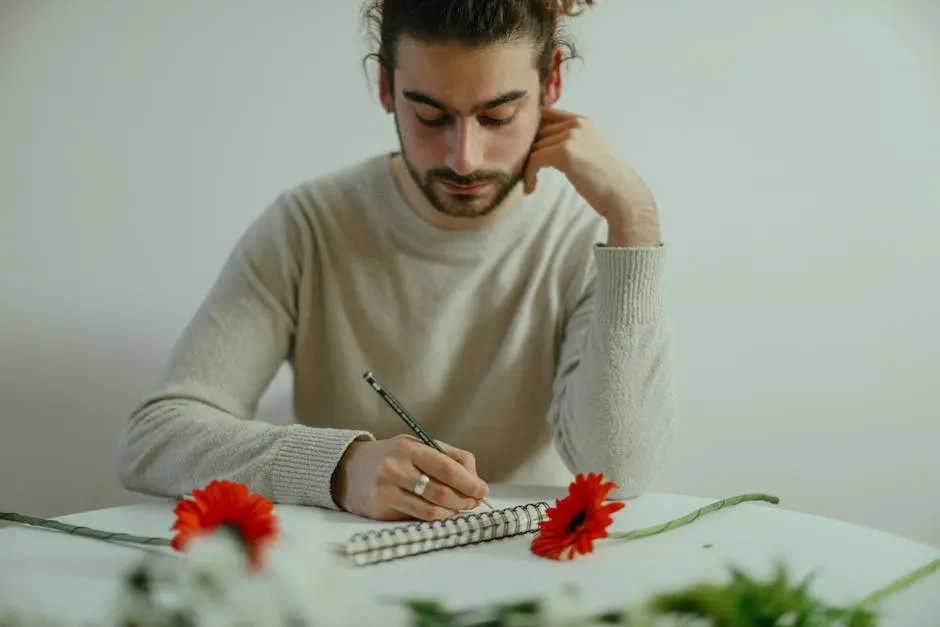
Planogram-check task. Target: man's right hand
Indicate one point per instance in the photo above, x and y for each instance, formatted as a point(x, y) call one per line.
point(375, 479)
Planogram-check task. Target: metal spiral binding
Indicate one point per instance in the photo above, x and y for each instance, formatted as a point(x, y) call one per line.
point(384, 545)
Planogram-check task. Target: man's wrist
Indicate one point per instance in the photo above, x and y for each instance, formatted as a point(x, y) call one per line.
point(632, 219)
point(339, 482)
point(626, 231)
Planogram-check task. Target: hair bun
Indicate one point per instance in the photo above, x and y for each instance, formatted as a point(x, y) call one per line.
point(569, 8)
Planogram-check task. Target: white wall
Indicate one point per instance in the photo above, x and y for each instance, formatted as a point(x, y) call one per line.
point(793, 149)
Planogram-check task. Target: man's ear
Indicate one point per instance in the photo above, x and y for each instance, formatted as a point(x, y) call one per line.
point(553, 81)
point(385, 90)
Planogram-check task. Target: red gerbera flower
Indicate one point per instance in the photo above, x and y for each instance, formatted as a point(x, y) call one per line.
point(227, 505)
point(576, 520)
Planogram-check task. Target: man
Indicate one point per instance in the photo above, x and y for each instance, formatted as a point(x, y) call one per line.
point(501, 274)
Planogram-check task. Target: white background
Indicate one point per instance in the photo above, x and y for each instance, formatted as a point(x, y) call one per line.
point(792, 147)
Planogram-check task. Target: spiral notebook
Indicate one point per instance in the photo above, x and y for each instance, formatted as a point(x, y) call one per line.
point(396, 542)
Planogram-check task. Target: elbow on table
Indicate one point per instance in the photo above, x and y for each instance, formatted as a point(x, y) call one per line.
point(129, 468)
point(130, 474)
point(136, 451)
point(641, 456)
point(632, 479)
point(633, 467)
point(633, 476)
point(631, 486)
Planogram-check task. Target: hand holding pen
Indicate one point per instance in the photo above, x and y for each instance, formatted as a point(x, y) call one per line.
point(408, 476)
point(423, 435)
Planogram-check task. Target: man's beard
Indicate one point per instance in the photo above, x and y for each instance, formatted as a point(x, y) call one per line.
point(455, 205)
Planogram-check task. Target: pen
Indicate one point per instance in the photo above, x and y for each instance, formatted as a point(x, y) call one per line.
point(413, 424)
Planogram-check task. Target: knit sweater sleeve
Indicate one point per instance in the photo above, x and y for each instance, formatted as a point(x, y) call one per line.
point(198, 424)
point(613, 408)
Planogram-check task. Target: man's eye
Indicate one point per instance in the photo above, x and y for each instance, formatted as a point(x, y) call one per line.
point(490, 121)
point(485, 120)
point(439, 121)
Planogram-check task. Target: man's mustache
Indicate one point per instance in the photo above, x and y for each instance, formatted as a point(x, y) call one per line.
point(464, 179)
point(449, 176)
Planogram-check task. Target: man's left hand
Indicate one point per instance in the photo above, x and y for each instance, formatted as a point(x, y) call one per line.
point(573, 144)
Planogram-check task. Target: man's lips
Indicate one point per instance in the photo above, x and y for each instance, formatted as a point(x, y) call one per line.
point(475, 188)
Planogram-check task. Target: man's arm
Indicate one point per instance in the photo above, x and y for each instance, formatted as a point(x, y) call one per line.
point(614, 401)
point(197, 425)
point(613, 409)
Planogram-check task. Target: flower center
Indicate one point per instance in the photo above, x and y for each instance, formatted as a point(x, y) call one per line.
point(576, 521)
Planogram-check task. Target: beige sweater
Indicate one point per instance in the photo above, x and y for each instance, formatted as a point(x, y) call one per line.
point(501, 341)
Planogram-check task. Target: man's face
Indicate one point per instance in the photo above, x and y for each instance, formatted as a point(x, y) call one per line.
point(466, 120)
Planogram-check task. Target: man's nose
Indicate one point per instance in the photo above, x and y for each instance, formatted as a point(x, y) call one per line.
point(465, 152)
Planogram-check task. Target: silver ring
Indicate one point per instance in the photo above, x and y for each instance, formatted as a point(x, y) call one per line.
point(421, 484)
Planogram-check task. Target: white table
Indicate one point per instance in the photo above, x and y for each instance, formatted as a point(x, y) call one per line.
point(76, 578)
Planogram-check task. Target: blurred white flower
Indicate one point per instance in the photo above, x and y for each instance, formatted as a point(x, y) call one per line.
point(136, 603)
point(32, 618)
point(564, 608)
point(299, 585)
point(211, 565)
point(641, 616)
point(251, 602)
point(136, 608)
point(313, 588)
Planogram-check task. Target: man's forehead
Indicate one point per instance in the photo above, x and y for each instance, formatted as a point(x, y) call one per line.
point(464, 76)
point(447, 58)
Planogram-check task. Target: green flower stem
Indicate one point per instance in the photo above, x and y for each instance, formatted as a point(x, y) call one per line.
point(692, 517)
point(152, 541)
point(898, 584)
point(82, 531)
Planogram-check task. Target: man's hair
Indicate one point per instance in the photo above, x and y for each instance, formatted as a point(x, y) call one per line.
point(472, 23)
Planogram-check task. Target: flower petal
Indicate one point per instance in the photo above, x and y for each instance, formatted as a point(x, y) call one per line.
point(224, 502)
point(576, 520)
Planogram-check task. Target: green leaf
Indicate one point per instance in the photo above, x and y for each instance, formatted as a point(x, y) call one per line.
point(612, 618)
point(744, 601)
point(428, 613)
point(525, 608)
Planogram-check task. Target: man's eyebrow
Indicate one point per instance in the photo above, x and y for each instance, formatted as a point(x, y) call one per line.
point(423, 98)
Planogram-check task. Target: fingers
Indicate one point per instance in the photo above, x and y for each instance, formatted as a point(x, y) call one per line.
point(552, 114)
point(453, 485)
point(549, 129)
point(441, 495)
point(421, 508)
point(382, 475)
point(448, 472)
point(462, 457)
point(550, 155)
point(549, 149)
point(550, 140)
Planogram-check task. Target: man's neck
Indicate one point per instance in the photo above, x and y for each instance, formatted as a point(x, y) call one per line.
point(416, 199)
